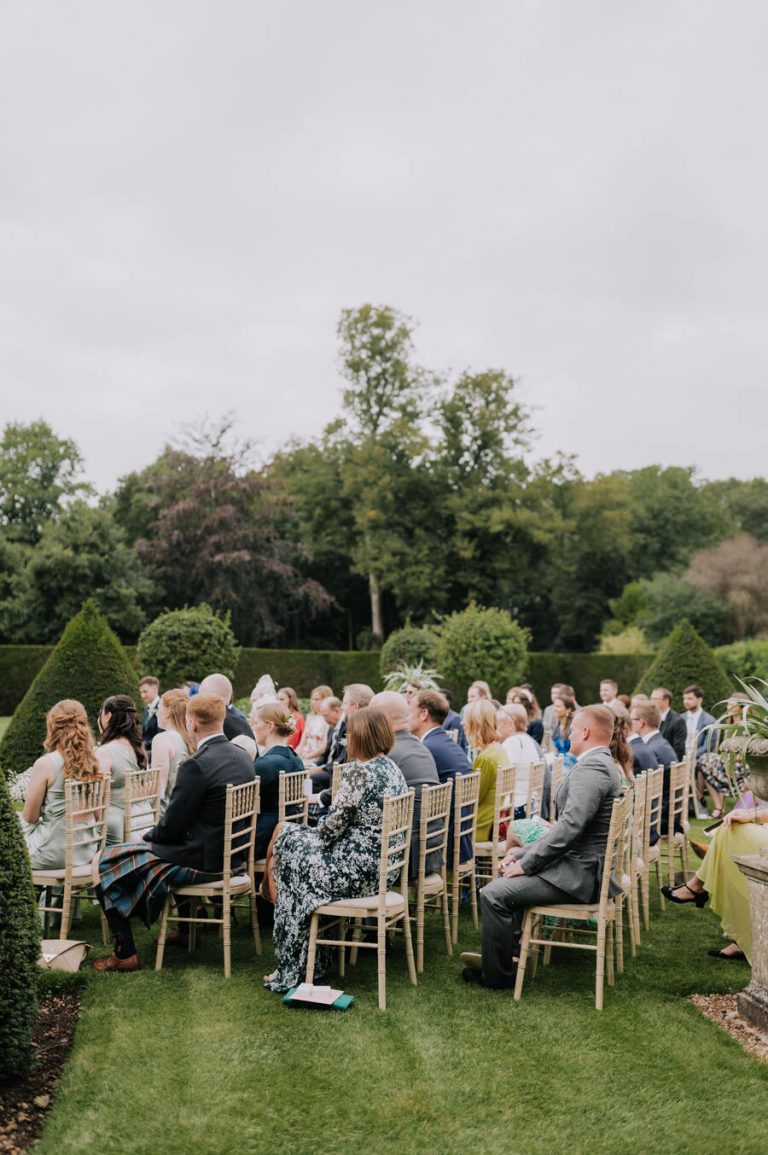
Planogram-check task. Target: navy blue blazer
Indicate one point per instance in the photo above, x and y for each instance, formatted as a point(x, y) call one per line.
point(453, 722)
point(643, 757)
point(665, 755)
point(449, 757)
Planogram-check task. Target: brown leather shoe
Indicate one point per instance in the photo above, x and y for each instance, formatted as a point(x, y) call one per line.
point(113, 963)
point(177, 937)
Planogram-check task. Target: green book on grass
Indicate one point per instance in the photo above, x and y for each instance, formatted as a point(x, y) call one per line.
point(318, 998)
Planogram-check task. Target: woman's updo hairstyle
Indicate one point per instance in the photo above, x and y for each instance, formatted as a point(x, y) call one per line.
point(123, 722)
point(68, 733)
point(275, 714)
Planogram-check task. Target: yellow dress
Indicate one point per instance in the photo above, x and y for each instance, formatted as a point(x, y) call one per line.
point(727, 886)
point(488, 762)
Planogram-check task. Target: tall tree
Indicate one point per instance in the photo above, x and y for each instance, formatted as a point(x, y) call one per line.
point(744, 503)
point(38, 471)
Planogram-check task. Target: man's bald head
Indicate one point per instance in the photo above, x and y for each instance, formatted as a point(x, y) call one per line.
point(394, 706)
point(219, 686)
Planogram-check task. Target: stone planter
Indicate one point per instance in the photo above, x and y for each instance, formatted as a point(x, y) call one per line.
point(753, 1001)
point(758, 775)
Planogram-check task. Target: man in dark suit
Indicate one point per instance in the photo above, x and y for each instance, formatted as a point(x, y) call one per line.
point(149, 688)
point(563, 866)
point(426, 713)
point(321, 769)
point(234, 722)
point(190, 835)
point(453, 721)
point(643, 757)
point(645, 723)
point(671, 725)
point(417, 764)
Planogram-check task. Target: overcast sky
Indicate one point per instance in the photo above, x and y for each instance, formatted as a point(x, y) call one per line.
point(573, 191)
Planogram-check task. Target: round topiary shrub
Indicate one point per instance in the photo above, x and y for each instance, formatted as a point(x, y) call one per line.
point(410, 646)
point(747, 659)
point(686, 660)
point(19, 945)
point(482, 644)
point(188, 643)
point(87, 664)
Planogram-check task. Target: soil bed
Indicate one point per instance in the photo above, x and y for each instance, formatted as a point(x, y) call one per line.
point(721, 1009)
point(25, 1104)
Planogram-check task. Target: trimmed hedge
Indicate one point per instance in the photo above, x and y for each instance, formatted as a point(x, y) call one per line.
point(19, 945)
point(683, 660)
point(19, 665)
point(305, 669)
point(88, 664)
point(584, 672)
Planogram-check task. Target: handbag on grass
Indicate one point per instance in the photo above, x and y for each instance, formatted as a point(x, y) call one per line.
point(62, 954)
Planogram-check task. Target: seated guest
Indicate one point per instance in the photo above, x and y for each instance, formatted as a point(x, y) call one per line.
point(525, 697)
point(564, 865)
point(321, 770)
point(622, 755)
point(315, 733)
point(186, 846)
point(426, 713)
point(173, 743)
point(289, 700)
point(120, 742)
point(563, 710)
point(149, 689)
point(671, 725)
point(521, 750)
point(70, 754)
point(643, 757)
point(235, 722)
point(477, 691)
point(480, 725)
point(273, 726)
point(644, 717)
point(339, 858)
point(558, 690)
point(417, 765)
point(453, 722)
point(720, 880)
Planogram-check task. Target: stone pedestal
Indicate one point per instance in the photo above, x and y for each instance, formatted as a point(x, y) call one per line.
point(753, 1001)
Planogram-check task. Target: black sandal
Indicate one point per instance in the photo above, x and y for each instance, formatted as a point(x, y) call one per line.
point(738, 955)
point(700, 897)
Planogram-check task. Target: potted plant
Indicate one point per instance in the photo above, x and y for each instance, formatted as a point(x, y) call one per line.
point(744, 747)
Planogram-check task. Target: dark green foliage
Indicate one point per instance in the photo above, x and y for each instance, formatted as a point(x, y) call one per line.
point(482, 643)
point(747, 659)
point(18, 666)
point(188, 643)
point(88, 664)
point(584, 672)
point(19, 945)
point(408, 647)
point(685, 660)
point(304, 669)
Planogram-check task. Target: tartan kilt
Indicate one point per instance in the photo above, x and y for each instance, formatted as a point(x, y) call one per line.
point(134, 881)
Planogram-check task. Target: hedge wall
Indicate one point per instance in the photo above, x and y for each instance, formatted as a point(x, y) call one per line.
point(304, 669)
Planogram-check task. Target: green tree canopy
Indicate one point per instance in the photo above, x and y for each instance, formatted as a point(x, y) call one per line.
point(188, 643)
point(38, 471)
point(88, 664)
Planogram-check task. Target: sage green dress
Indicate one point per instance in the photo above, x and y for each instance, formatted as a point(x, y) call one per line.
point(180, 753)
point(124, 759)
point(46, 838)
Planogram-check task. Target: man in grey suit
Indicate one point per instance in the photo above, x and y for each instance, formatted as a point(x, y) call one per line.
point(563, 866)
point(417, 764)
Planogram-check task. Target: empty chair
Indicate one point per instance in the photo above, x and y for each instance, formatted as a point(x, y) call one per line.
point(489, 853)
point(466, 795)
point(432, 889)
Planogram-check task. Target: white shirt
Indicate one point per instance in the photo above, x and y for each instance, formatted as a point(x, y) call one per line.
point(207, 738)
point(650, 734)
point(522, 751)
point(692, 726)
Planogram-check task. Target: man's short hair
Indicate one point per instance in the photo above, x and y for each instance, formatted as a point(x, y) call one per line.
point(149, 680)
point(331, 702)
point(666, 694)
point(599, 717)
point(434, 703)
point(694, 690)
point(609, 682)
point(358, 693)
point(648, 712)
point(207, 709)
point(563, 688)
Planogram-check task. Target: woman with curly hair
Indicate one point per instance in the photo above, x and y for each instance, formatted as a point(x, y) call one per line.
point(70, 753)
point(122, 744)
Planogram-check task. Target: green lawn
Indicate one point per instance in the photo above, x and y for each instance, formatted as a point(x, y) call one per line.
point(183, 1061)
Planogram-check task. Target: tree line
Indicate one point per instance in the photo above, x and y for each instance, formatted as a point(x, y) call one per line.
point(422, 496)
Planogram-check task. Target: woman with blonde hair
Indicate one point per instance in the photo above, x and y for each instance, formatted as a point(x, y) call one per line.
point(315, 736)
point(273, 727)
point(173, 743)
point(480, 726)
point(70, 753)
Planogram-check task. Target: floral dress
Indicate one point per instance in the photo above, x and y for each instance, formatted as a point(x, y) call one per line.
point(339, 858)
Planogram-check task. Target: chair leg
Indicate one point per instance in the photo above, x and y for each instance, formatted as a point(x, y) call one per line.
point(163, 932)
point(473, 894)
point(409, 947)
point(312, 948)
point(342, 924)
point(66, 913)
point(636, 912)
point(446, 924)
point(455, 891)
point(226, 927)
point(46, 893)
point(659, 881)
point(608, 948)
point(524, 948)
point(619, 927)
point(381, 956)
point(420, 934)
point(255, 922)
point(357, 934)
point(600, 967)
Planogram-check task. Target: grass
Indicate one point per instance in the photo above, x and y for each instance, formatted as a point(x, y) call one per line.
point(4, 723)
point(184, 1061)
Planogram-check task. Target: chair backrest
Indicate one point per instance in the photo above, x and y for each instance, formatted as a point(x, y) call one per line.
point(466, 796)
point(141, 787)
point(654, 793)
point(240, 814)
point(338, 774)
point(292, 802)
point(434, 822)
point(396, 824)
point(613, 865)
point(639, 811)
point(536, 772)
point(555, 783)
point(86, 813)
point(504, 798)
point(679, 783)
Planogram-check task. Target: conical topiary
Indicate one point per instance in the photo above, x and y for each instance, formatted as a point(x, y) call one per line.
point(686, 660)
point(87, 664)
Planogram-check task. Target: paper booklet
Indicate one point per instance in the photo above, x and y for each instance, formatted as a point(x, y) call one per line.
point(308, 993)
